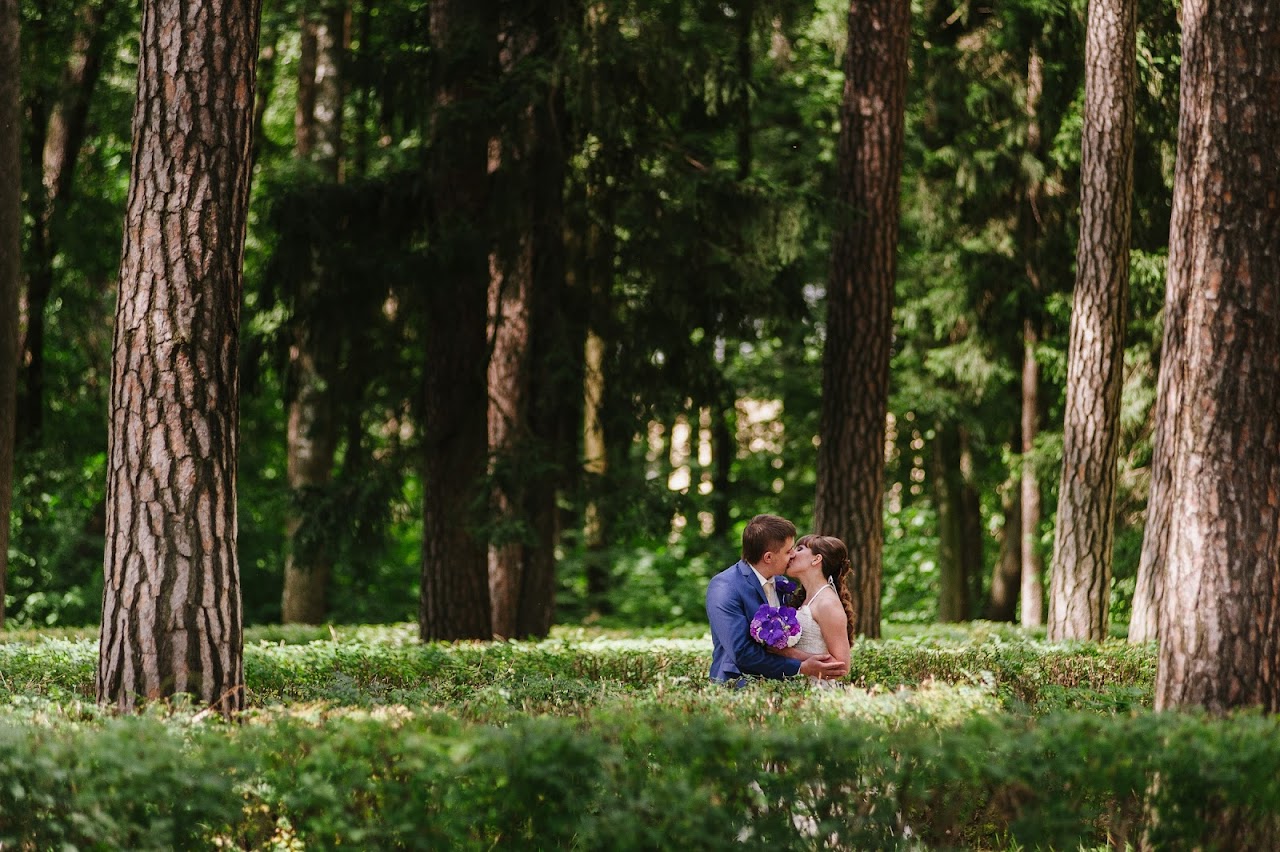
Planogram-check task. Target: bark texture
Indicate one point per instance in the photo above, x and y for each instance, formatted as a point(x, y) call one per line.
point(454, 592)
point(1220, 623)
point(1031, 589)
point(855, 378)
point(171, 614)
point(10, 264)
point(1080, 588)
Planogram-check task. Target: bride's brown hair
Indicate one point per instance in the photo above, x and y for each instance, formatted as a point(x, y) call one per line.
point(835, 563)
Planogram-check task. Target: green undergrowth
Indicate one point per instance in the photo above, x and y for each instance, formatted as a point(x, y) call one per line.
point(575, 668)
point(361, 737)
point(778, 768)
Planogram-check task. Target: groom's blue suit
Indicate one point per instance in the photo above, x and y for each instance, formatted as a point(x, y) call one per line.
point(733, 596)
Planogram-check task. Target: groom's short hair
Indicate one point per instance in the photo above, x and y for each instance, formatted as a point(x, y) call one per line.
point(764, 533)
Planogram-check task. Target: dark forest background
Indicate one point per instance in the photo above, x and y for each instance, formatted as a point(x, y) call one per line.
point(696, 149)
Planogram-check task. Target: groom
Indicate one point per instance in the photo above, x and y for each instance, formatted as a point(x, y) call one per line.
point(734, 595)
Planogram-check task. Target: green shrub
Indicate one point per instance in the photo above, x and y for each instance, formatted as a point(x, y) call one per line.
point(757, 770)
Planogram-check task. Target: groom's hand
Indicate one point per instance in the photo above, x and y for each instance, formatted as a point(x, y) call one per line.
point(824, 666)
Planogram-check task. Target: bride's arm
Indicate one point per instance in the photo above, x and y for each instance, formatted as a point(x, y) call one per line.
point(834, 624)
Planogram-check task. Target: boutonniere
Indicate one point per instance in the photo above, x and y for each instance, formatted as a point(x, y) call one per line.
point(785, 587)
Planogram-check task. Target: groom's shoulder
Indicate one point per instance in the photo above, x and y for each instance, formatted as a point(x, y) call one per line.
point(729, 573)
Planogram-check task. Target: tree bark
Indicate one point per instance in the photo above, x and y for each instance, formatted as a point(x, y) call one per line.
point(556, 350)
point(509, 391)
point(1148, 595)
point(10, 263)
point(1002, 602)
point(1080, 586)
point(596, 463)
point(959, 525)
point(1032, 567)
point(1032, 591)
point(454, 592)
point(1220, 623)
point(849, 502)
point(171, 613)
point(528, 394)
point(312, 430)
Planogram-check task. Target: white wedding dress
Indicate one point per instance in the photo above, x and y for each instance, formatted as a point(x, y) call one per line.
point(811, 640)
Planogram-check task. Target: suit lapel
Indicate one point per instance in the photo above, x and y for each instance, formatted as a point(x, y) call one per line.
point(748, 575)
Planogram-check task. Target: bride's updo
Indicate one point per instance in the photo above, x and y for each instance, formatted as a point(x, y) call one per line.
point(835, 564)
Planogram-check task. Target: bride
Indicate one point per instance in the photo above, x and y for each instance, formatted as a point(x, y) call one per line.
point(821, 564)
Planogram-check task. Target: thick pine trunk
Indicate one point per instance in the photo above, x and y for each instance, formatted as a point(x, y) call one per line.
point(1080, 587)
point(850, 491)
point(454, 592)
point(1220, 622)
point(171, 613)
point(10, 264)
point(312, 429)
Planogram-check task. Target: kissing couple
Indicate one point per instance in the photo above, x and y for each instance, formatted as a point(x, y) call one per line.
point(763, 625)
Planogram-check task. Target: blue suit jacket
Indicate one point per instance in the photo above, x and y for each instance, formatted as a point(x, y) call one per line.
point(733, 596)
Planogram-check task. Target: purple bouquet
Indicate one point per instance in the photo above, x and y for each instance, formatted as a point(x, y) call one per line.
point(775, 626)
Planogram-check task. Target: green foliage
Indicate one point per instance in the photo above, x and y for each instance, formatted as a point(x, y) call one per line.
point(698, 227)
point(597, 741)
point(369, 666)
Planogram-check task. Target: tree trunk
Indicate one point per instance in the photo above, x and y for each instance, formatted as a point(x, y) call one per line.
point(57, 134)
point(10, 263)
point(1032, 592)
point(1032, 568)
point(596, 461)
point(972, 531)
point(312, 430)
point(1002, 603)
point(556, 351)
point(510, 366)
point(1220, 623)
point(855, 378)
point(724, 443)
point(509, 378)
point(1148, 595)
point(1080, 587)
point(955, 563)
point(454, 594)
point(530, 361)
point(171, 612)
point(959, 524)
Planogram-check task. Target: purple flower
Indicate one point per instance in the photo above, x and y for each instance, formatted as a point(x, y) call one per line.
point(775, 626)
point(785, 587)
